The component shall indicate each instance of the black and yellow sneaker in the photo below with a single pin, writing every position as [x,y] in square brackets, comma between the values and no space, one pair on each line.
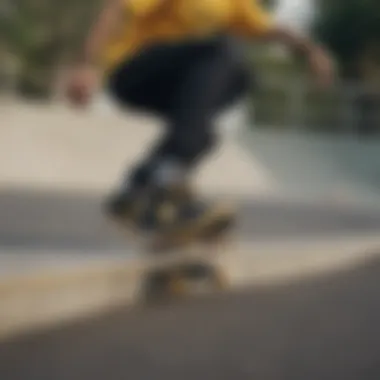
[146,210]
[127,209]
[174,215]
[194,220]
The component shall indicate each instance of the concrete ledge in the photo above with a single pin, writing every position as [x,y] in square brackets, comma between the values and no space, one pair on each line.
[66,149]
[41,300]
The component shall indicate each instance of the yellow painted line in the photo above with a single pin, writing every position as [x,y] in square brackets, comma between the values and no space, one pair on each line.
[40,280]
[29,302]
[248,255]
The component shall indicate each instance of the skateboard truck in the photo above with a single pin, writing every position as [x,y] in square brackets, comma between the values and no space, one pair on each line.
[171,273]
[183,280]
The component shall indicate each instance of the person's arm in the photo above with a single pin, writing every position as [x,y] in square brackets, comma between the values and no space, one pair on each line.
[86,74]
[254,21]
[108,20]
[101,31]
[301,45]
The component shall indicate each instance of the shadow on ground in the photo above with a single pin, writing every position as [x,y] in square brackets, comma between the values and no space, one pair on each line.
[321,328]
[74,220]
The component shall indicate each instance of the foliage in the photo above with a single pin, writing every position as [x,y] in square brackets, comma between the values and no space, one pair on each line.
[351,29]
[40,33]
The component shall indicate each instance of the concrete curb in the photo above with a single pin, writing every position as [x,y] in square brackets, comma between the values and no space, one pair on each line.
[41,300]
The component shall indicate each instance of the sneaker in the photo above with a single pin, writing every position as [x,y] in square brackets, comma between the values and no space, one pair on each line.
[194,220]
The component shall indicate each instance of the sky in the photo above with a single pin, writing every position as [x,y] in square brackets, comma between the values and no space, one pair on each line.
[298,13]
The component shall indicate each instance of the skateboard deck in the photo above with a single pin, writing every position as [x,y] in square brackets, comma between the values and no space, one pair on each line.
[183,268]
[189,271]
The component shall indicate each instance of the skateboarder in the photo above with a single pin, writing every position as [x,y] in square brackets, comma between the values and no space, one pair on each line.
[180,60]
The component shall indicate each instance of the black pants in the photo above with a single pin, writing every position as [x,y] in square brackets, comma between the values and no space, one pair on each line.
[187,84]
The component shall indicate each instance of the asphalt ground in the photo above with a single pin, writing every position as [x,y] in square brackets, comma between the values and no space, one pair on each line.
[32,220]
[324,327]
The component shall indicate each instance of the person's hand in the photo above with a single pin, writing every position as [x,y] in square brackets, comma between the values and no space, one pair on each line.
[81,85]
[322,67]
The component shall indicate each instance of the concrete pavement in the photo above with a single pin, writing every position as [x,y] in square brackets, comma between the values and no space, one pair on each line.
[55,167]
[43,219]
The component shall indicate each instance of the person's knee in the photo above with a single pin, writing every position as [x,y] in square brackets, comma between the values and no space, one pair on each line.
[226,49]
[230,65]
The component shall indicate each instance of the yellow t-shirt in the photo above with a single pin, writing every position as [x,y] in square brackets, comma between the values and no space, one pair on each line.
[152,21]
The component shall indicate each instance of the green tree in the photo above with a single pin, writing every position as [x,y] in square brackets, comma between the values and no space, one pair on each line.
[351,29]
[40,33]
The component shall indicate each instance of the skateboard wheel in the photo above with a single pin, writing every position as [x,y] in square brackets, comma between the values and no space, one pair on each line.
[187,280]
[220,280]
[177,286]
[200,278]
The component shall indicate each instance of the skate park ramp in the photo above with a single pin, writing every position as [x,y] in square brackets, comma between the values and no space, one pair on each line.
[57,166]
[313,263]
[325,166]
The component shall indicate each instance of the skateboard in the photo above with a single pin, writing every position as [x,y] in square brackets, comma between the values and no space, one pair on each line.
[170,272]
[189,270]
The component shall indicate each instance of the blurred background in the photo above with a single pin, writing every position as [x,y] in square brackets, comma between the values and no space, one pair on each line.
[304,170]
[38,38]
